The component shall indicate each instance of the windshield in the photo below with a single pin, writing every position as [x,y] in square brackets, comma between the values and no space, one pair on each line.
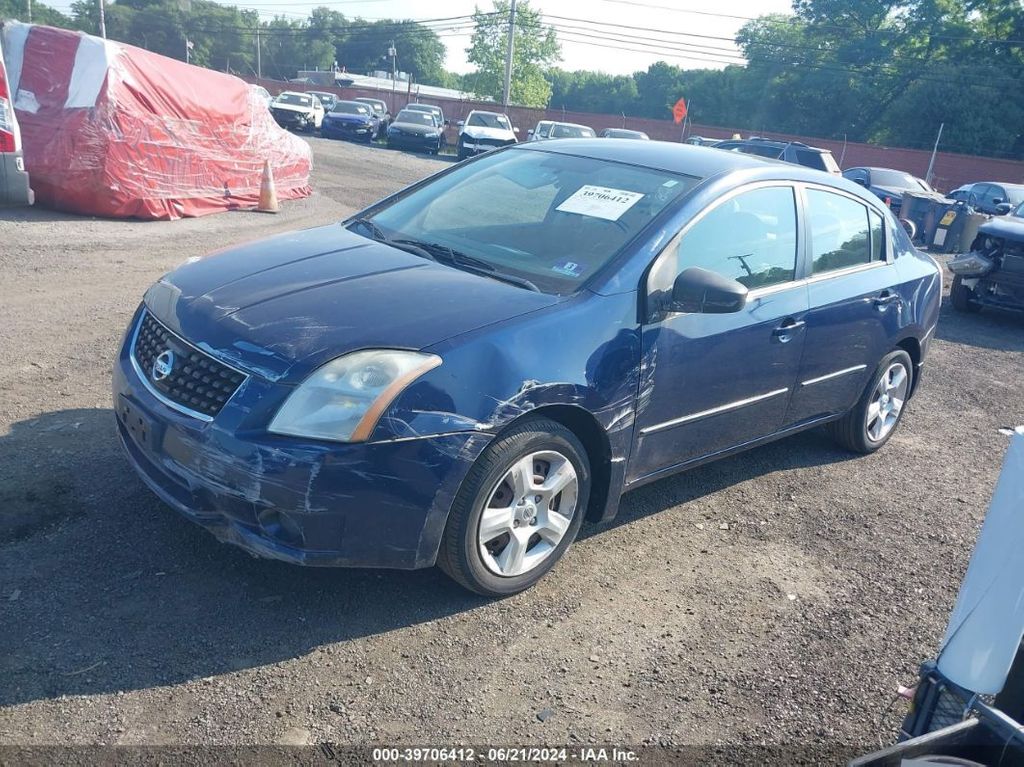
[351,108]
[549,218]
[485,120]
[571,131]
[296,99]
[376,106]
[418,118]
[895,179]
[1015,194]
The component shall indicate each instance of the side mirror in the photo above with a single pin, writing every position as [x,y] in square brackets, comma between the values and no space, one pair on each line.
[515,130]
[529,132]
[460,123]
[700,291]
[997,200]
[862,181]
[1003,208]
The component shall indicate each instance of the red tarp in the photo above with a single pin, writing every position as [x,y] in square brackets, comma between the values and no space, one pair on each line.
[113,130]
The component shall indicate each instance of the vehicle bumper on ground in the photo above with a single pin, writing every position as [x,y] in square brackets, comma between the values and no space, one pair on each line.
[14,186]
[380,504]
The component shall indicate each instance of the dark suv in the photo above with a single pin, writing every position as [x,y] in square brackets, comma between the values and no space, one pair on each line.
[787,151]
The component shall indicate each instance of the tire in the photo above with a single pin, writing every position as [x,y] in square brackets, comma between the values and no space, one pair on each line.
[461,151]
[962,297]
[855,431]
[535,530]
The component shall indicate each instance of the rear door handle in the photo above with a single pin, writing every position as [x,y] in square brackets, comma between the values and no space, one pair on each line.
[885,298]
[789,326]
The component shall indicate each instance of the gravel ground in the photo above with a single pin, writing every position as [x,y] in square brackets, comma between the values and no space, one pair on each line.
[775,597]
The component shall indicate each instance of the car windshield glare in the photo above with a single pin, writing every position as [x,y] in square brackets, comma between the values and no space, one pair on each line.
[481,120]
[896,179]
[418,118]
[347,107]
[295,99]
[549,218]
[571,131]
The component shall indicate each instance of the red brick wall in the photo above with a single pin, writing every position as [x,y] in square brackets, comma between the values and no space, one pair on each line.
[951,170]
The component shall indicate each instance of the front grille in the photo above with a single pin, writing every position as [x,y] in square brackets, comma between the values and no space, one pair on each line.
[187,377]
[491,141]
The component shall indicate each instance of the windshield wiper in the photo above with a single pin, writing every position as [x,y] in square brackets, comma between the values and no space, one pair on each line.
[409,246]
[452,257]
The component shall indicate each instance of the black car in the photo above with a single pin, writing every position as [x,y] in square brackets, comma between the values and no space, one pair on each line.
[887,184]
[992,274]
[992,197]
[380,108]
[788,151]
[416,130]
[637,135]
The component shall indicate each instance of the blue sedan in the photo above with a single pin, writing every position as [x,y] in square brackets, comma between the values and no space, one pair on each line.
[464,372]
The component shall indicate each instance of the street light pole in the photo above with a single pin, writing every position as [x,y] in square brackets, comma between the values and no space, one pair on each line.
[935,149]
[507,90]
[103,21]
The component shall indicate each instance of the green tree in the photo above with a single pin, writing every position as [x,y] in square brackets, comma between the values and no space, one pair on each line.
[419,51]
[536,50]
[41,13]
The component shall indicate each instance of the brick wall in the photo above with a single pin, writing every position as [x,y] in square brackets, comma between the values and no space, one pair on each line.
[951,170]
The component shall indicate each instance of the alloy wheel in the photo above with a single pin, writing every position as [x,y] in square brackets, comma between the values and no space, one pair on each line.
[528,512]
[887,401]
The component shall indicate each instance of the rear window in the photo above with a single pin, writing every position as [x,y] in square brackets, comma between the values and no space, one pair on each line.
[418,118]
[772,152]
[571,131]
[817,160]
[484,120]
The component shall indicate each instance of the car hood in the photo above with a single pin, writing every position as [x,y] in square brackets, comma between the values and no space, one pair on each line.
[415,129]
[476,131]
[293,108]
[1006,227]
[282,307]
[344,117]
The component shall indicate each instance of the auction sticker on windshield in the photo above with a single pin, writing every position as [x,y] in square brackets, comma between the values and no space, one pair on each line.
[600,202]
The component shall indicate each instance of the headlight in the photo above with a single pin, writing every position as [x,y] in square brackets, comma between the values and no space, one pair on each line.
[343,400]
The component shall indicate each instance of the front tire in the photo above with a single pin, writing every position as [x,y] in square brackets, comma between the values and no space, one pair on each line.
[873,420]
[519,509]
[962,297]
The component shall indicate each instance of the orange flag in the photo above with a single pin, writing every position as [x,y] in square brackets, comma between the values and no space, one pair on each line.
[679,111]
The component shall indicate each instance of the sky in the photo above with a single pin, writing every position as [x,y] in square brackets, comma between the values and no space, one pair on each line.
[688,33]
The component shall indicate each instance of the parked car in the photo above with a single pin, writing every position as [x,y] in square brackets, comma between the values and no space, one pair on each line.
[540,131]
[623,133]
[463,372]
[262,94]
[351,120]
[14,185]
[434,110]
[380,108]
[887,184]
[570,130]
[299,111]
[993,197]
[482,131]
[327,99]
[416,130]
[992,274]
[788,151]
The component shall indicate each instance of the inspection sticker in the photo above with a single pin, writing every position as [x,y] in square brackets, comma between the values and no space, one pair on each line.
[600,202]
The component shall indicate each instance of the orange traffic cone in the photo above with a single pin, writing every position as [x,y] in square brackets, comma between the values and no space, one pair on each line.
[268,194]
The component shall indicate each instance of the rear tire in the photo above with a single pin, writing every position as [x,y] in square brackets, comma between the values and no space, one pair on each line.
[873,420]
[533,482]
[962,297]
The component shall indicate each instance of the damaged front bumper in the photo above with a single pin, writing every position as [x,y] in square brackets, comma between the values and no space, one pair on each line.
[380,504]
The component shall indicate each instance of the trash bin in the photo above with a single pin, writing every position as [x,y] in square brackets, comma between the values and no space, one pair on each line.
[915,208]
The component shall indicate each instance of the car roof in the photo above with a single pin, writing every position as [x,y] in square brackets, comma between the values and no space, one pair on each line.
[422,107]
[570,125]
[691,160]
[485,112]
[293,93]
[351,101]
[367,98]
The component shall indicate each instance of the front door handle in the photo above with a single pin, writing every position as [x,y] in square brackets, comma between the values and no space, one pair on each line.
[787,329]
[885,298]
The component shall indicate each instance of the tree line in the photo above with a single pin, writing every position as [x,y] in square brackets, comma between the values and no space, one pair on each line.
[882,71]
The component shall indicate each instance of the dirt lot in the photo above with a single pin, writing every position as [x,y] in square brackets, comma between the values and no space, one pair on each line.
[778,597]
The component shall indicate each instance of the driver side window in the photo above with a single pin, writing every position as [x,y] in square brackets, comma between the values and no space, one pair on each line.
[750,238]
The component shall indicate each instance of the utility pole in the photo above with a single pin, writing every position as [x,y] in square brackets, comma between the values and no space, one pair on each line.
[935,149]
[259,62]
[506,92]
[188,49]
[29,11]
[394,59]
[103,21]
